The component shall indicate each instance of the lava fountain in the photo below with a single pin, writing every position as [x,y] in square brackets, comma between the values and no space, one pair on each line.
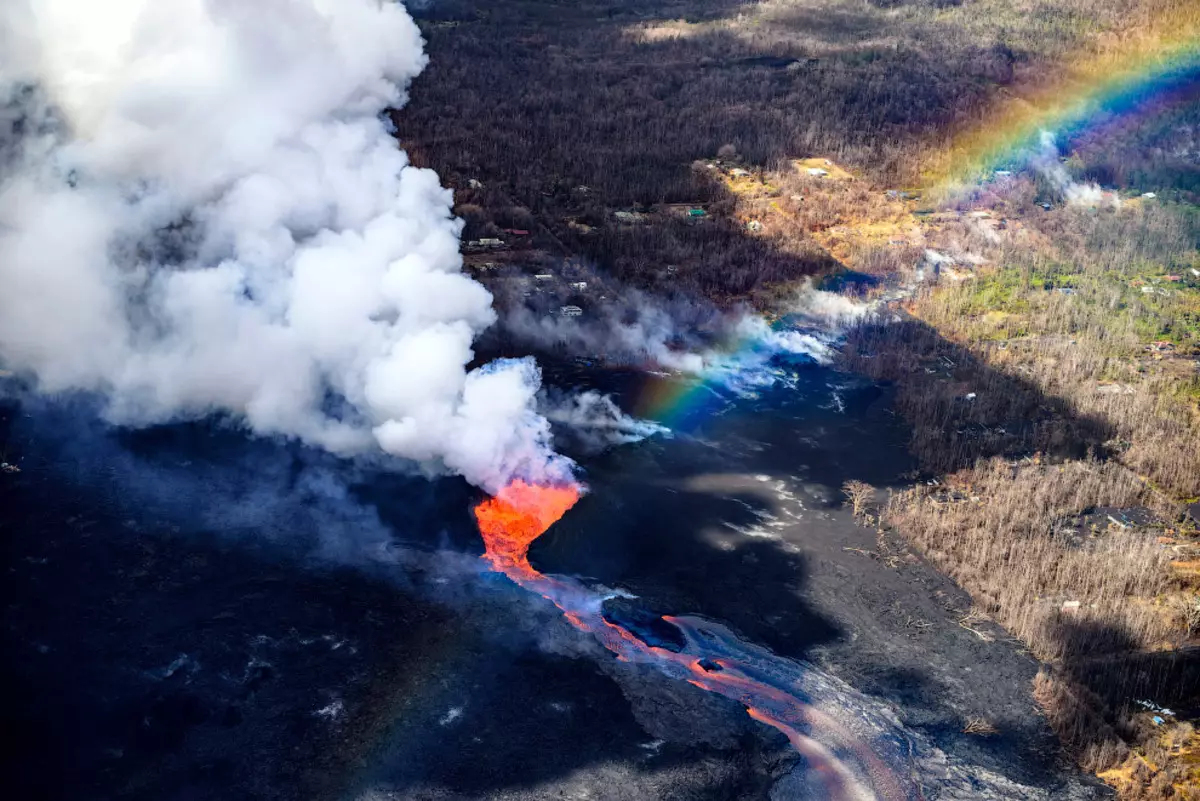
[518,515]
[778,692]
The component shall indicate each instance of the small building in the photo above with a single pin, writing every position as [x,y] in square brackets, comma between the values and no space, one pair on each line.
[697,213]
[570,311]
[754,225]
[491,242]
[738,172]
[579,286]
[544,277]
[817,172]
[516,232]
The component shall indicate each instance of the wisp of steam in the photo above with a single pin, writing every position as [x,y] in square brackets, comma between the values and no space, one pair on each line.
[203,211]
[1075,193]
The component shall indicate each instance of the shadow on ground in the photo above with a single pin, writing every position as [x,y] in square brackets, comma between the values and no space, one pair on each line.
[184,543]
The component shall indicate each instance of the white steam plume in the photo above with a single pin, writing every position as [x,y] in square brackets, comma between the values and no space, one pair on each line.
[635,330]
[203,211]
[596,421]
[1046,162]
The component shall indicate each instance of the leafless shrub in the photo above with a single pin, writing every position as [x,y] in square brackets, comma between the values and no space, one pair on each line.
[1186,608]
[971,622]
[981,727]
[859,494]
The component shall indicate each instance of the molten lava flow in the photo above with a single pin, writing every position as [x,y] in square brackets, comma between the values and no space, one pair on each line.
[713,659]
[518,515]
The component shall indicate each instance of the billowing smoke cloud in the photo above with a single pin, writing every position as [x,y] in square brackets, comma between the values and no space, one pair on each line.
[1046,162]
[203,211]
[830,311]
[624,326]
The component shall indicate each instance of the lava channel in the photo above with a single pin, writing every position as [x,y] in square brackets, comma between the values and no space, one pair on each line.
[713,659]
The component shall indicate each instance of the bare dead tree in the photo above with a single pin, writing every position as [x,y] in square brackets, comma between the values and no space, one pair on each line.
[859,494]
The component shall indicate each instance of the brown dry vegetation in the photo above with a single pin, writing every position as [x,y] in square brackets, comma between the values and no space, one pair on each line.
[1038,407]
[1029,386]
[567,112]
[1007,532]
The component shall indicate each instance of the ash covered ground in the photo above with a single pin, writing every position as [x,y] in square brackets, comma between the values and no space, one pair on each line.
[191,614]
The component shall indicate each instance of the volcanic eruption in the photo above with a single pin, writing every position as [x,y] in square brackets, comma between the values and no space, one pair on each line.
[519,514]
[204,211]
[840,766]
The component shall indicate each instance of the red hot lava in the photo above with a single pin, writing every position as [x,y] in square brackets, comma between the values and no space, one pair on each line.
[518,515]
[522,512]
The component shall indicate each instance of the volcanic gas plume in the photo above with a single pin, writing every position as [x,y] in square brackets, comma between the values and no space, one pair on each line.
[203,210]
[774,691]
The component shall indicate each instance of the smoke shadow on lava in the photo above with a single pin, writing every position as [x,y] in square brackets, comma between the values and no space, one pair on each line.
[147,659]
[1016,745]
[181,626]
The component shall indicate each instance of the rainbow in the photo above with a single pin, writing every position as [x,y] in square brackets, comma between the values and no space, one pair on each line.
[740,365]
[678,403]
[681,402]
[1110,85]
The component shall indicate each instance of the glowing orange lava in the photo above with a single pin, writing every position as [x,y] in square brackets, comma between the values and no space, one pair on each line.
[521,512]
[518,515]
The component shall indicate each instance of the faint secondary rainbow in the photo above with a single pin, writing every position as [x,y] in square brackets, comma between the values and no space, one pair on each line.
[1114,83]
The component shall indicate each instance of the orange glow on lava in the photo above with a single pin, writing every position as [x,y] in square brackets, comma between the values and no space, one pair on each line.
[521,512]
[518,515]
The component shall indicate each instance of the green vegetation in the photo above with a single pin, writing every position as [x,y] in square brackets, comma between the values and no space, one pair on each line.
[1052,369]
[1081,399]
[536,100]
